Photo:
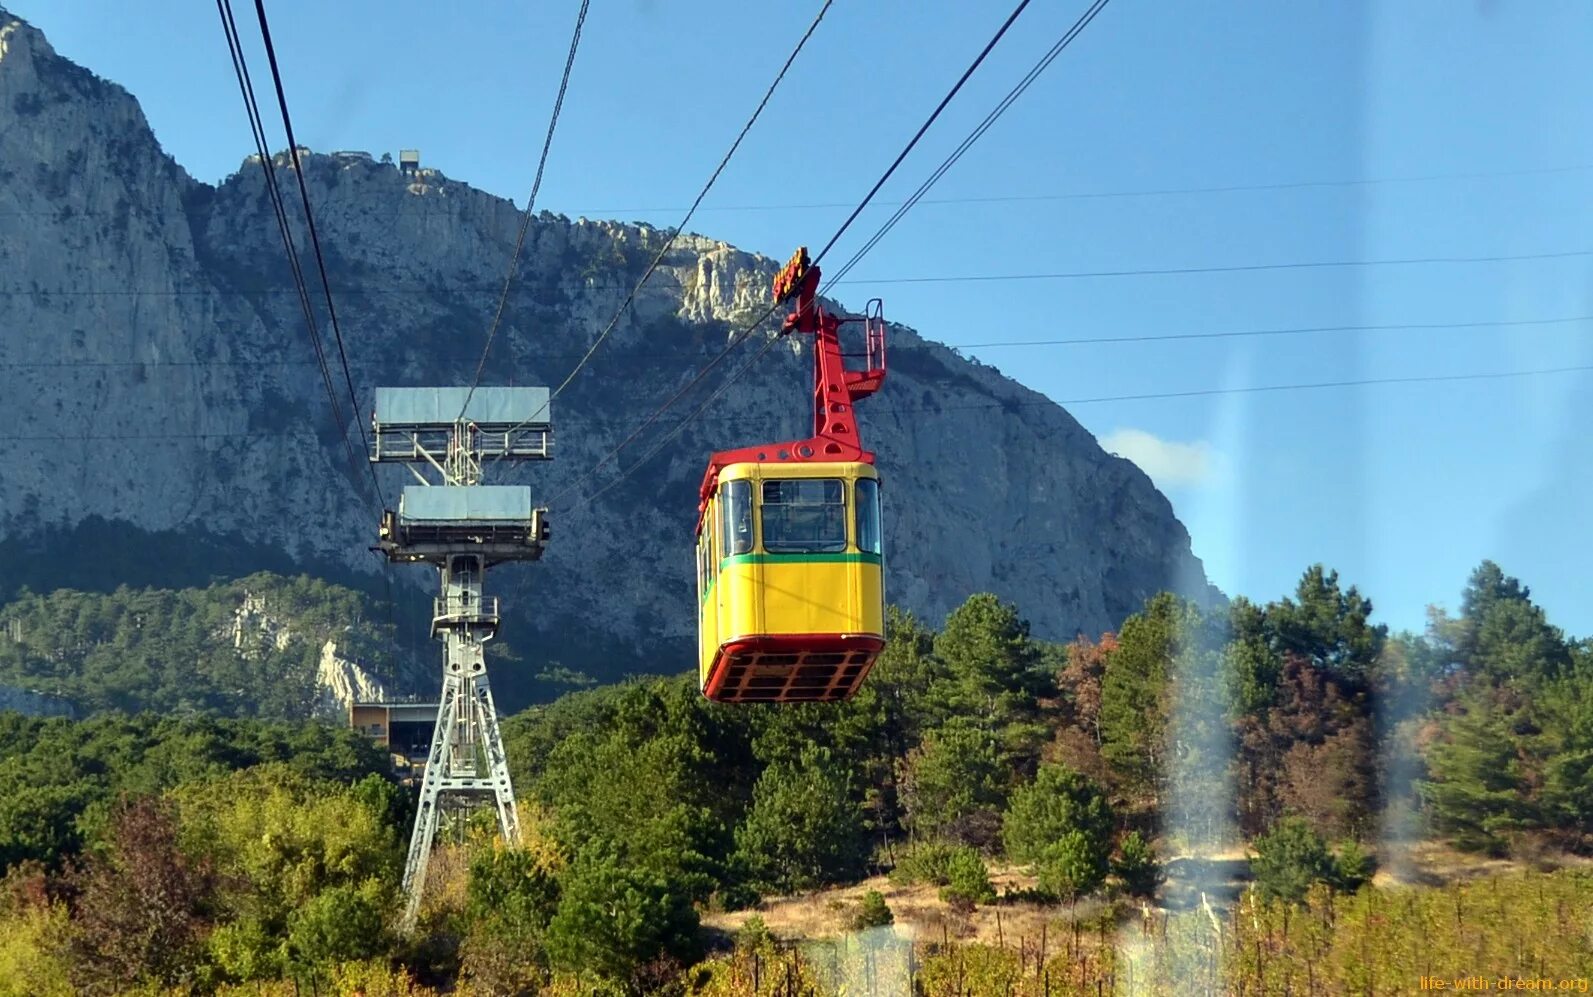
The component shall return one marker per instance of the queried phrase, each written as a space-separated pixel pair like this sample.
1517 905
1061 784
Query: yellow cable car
790 581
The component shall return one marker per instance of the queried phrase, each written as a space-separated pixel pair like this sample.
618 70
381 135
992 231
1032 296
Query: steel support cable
1434 260
735 341
925 409
984 126
659 256
251 106
252 109
1059 402
669 437
752 326
530 207
315 240
973 137
922 129
1115 194
1000 343
1066 196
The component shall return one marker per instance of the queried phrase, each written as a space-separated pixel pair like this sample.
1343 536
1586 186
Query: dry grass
920 912
918 909
1434 863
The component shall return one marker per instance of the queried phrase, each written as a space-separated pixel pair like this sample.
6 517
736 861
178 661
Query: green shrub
803 828
1072 866
1289 858
968 881
872 913
1137 867
614 916
1352 867
339 924
924 862
753 934
1058 802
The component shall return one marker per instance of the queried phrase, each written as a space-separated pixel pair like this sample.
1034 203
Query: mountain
162 421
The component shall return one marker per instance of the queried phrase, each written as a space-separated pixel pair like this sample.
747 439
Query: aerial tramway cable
315 239
1066 39
1432 260
257 128
992 344
659 256
1492 375
755 323
1085 195
972 137
530 206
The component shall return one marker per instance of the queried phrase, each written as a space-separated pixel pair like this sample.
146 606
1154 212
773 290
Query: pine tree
1327 624
1477 793
955 785
1059 802
1504 635
804 828
1134 693
990 663
1289 859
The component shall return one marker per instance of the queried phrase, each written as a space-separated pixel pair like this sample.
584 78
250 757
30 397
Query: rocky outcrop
158 374
254 625
340 682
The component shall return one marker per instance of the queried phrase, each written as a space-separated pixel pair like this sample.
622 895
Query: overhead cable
675 233
1067 37
315 239
899 410
752 326
991 344
252 109
968 142
530 206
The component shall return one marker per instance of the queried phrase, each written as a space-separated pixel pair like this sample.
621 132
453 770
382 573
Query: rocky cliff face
155 372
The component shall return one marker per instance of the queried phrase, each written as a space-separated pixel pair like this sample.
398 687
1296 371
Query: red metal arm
835 388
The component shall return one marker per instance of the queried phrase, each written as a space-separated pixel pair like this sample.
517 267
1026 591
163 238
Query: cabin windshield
804 516
868 530
735 498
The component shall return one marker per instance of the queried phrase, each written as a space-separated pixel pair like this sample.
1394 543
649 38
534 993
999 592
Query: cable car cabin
789 582
790 586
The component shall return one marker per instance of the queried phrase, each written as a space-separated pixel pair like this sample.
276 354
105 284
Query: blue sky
1384 131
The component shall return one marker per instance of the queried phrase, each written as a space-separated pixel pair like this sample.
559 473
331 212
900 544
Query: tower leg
467 761
497 762
426 813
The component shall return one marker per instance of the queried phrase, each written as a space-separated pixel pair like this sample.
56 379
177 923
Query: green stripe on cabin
839 558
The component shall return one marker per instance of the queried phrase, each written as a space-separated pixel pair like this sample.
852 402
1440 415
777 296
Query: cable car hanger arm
835 388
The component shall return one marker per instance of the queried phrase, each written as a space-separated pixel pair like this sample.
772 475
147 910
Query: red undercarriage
791 668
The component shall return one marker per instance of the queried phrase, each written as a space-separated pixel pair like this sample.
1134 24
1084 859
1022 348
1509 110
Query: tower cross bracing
463 527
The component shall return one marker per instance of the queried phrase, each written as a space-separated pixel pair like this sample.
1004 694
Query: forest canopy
1299 729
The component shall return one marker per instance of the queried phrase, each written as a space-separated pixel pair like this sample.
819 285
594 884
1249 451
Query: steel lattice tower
462 527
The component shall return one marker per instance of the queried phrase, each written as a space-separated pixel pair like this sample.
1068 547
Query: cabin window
735 501
868 531
710 551
702 566
804 516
